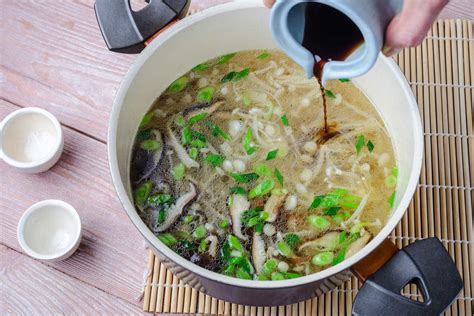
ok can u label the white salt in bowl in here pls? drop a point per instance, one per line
(31, 140)
(50, 230)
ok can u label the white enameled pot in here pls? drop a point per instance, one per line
(221, 30)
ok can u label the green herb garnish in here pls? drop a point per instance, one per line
(238, 190)
(186, 135)
(142, 192)
(391, 199)
(146, 120)
(228, 77)
(272, 154)
(249, 149)
(168, 239)
(161, 199)
(262, 170)
(198, 143)
(178, 85)
(201, 67)
(150, 145)
(225, 58)
(262, 189)
(331, 211)
(329, 94)
(205, 94)
(284, 120)
(197, 118)
(214, 159)
(263, 55)
(279, 176)
(370, 146)
(216, 131)
(242, 74)
(292, 240)
(178, 171)
(193, 153)
(179, 120)
(360, 143)
(244, 178)
(344, 80)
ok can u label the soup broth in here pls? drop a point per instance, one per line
(233, 170)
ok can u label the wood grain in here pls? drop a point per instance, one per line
(111, 256)
(29, 287)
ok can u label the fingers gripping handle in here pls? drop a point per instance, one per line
(425, 263)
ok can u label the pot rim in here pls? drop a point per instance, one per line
(202, 272)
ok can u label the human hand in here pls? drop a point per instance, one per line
(409, 27)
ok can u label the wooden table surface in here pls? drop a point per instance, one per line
(53, 57)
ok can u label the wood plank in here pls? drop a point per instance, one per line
(111, 256)
(30, 287)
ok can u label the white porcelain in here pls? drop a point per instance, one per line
(229, 28)
(50, 230)
(21, 134)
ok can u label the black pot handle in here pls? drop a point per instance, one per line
(425, 263)
(126, 31)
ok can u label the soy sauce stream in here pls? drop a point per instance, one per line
(328, 35)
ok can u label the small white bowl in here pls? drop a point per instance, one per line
(31, 140)
(50, 230)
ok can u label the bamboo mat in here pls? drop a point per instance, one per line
(441, 75)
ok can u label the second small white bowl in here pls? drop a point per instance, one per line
(50, 230)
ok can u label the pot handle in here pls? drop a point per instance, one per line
(127, 31)
(425, 263)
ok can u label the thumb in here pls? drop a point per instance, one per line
(410, 26)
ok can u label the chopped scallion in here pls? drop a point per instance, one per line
(272, 154)
(186, 135)
(244, 177)
(329, 94)
(178, 85)
(150, 145)
(197, 118)
(263, 55)
(323, 259)
(279, 176)
(284, 249)
(391, 199)
(178, 171)
(225, 58)
(168, 239)
(142, 192)
(238, 190)
(284, 120)
(214, 159)
(277, 276)
(179, 120)
(262, 189)
(344, 80)
(360, 143)
(370, 146)
(199, 232)
(318, 221)
(201, 67)
(249, 149)
(193, 153)
(146, 120)
(292, 240)
(205, 94)
(262, 170)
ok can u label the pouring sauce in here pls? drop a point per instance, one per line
(329, 35)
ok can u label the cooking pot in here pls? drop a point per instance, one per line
(242, 26)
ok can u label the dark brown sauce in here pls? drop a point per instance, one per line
(328, 35)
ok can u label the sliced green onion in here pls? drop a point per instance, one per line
(150, 145)
(246, 99)
(160, 199)
(168, 239)
(272, 154)
(279, 176)
(292, 240)
(244, 178)
(391, 199)
(370, 146)
(249, 149)
(205, 94)
(262, 170)
(225, 58)
(269, 266)
(332, 210)
(161, 216)
(340, 256)
(201, 67)
(223, 224)
(338, 218)
(178, 85)
(262, 189)
(360, 143)
(344, 80)
(292, 275)
(188, 219)
(198, 135)
(318, 221)
(193, 153)
(198, 143)
(178, 171)
(277, 276)
(263, 55)
(357, 227)
(317, 201)
(342, 236)
(238, 190)
(284, 249)
(216, 131)
(391, 181)
(282, 152)
(395, 171)
(241, 274)
(284, 120)
(323, 259)
(179, 120)
(279, 191)
(197, 118)
(228, 77)
(199, 232)
(146, 120)
(234, 243)
(329, 94)
(202, 246)
(242, 74)
(214, 159)
(186, 135)
(142, 192)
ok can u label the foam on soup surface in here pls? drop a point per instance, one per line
(232, 168)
